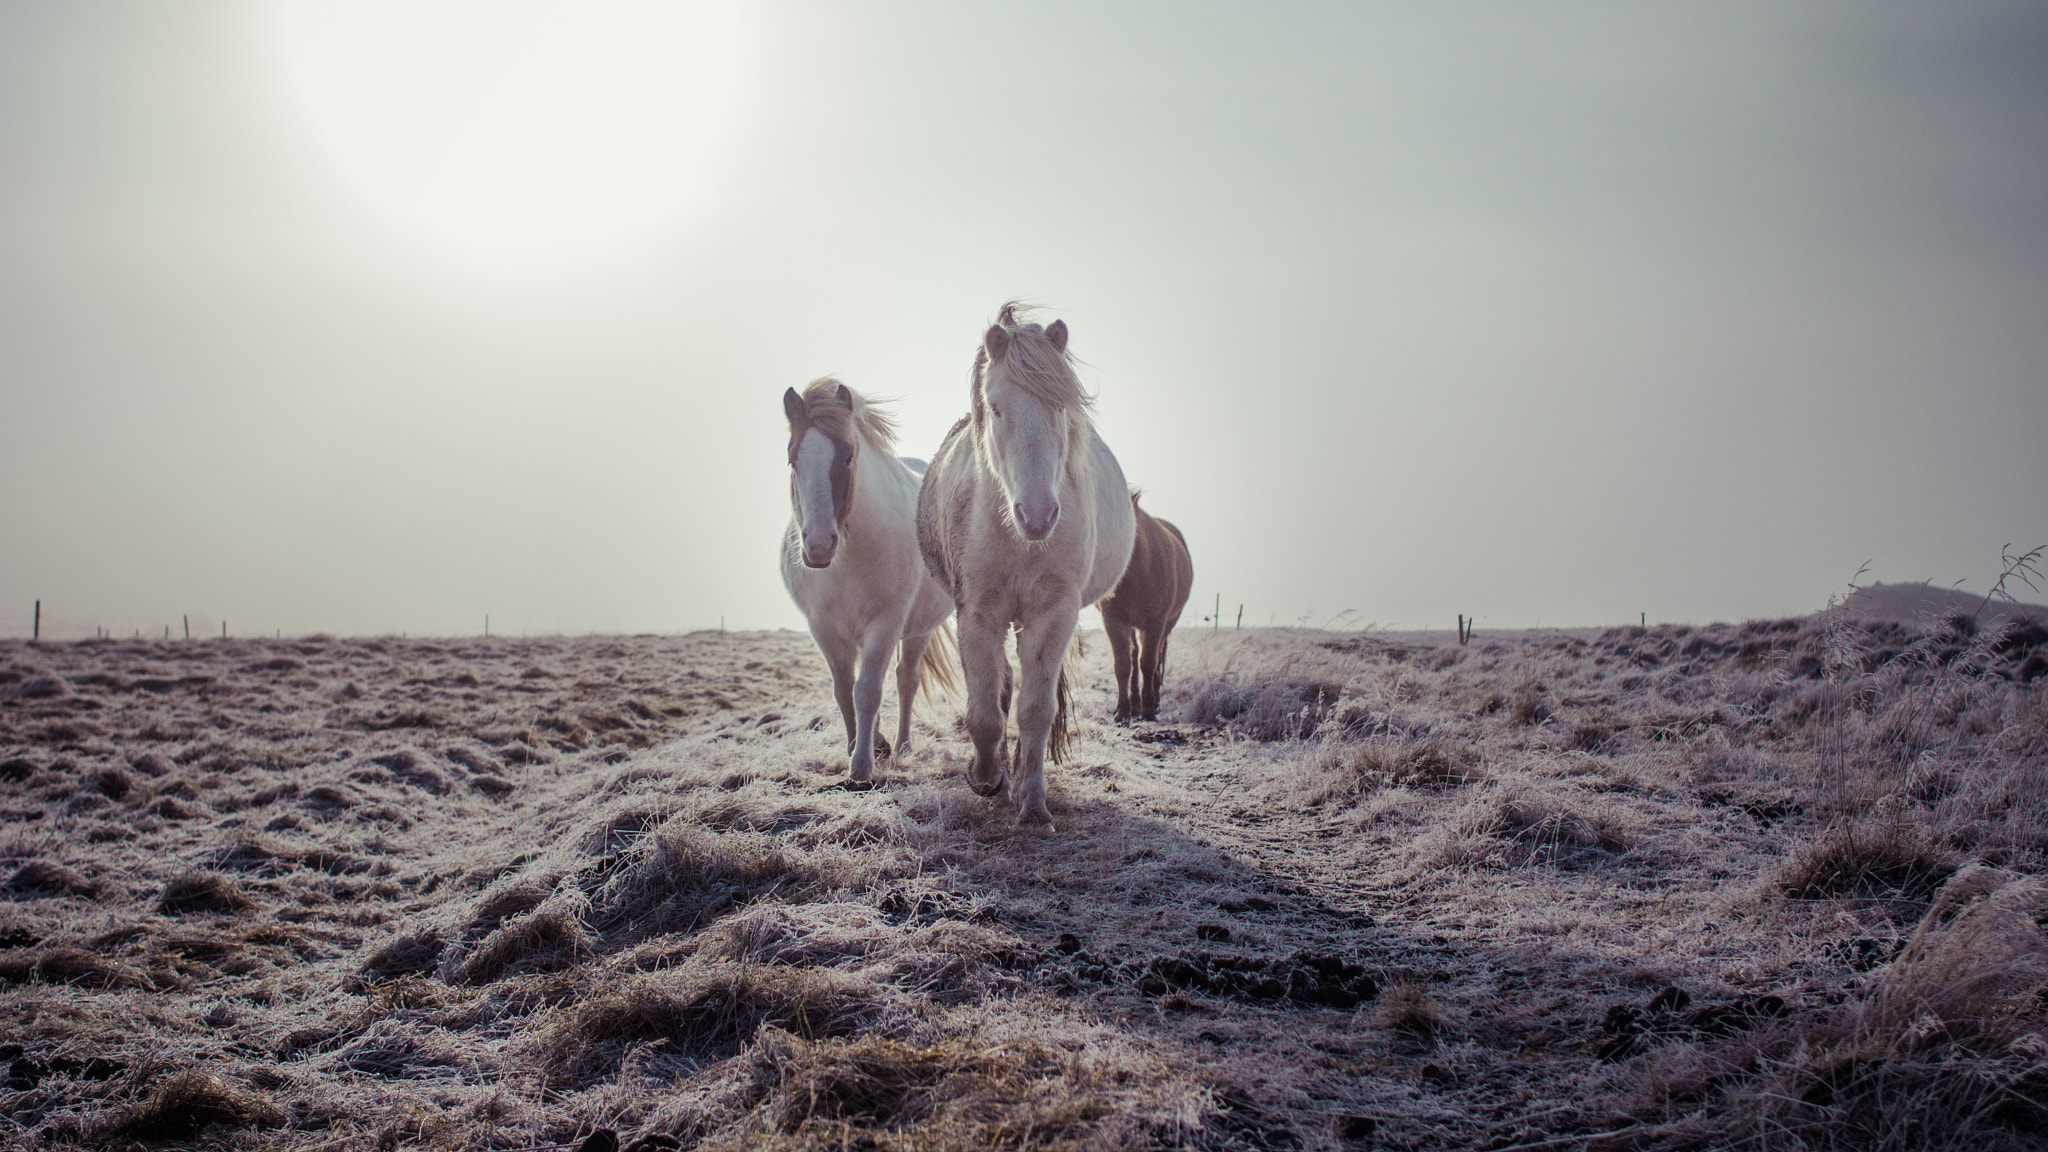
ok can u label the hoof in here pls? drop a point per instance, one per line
(857, 786)
(1028, 821)
(882, 749)
(993, 788)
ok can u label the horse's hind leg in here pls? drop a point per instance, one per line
(1152, 669)
(841, 664)
(1123, 643)
(987, 672)
(909, 669)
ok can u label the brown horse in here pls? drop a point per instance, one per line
(1143, 609)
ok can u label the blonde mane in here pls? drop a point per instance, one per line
(1045, 371)
(1041, 368)
(835, 419)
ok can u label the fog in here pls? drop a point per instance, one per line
(1549, 318)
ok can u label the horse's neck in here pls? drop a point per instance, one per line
(885, 498)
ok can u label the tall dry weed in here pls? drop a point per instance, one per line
(1946, 1050)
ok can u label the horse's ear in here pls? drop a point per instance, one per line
(1057, 333)
(846, 396)
(793, 406)
(997, 341)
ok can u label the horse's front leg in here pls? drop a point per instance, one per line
(909, 671)
(983, 665)
(867, 700)
(840, 659)
(1041, 645)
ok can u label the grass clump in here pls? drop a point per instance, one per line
(547, 939)
(203, 892)
(184, 1104)
(797, 1095)
(704, 1009)
(1873, 857)
(1517, 827)
(1947, 1049)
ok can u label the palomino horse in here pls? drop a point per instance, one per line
(850, 560)
(1024, 517)
(1143, 609)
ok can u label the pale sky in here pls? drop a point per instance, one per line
(1549, 314)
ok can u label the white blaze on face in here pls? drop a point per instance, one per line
(1029, 445)
(812, 495)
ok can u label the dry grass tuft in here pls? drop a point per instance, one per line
(547, 939)
(704, 1009)
(47, 878)
(1433, 764)
(1265, 695)
(1518, 826)
(68, 964)
(186, 1103)
(1866, 858)
(1410, 1010)
(207, 892)
(1946, 1051)
(675, 878)
(1263, 708)
(799, 1095)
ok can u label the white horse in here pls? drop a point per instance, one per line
(850, 561)
(1024, 518)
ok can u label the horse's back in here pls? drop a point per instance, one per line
(1182, 563)
(1116, 524)
(1160, 577)
(941, 508)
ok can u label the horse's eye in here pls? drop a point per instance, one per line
(994, 411)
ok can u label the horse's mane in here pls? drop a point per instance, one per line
(1046, 371)
(1035, 363)
(835, 419)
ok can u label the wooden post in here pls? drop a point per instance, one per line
(188, 625)
(38, 633)
(223, 629)
(1646, 619)
(1217, 615)
(1240, 617)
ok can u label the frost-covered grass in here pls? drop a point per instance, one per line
(1768, 885)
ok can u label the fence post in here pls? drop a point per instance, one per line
(188, 625)
(38, 633)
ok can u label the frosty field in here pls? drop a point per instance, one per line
(1769, 885)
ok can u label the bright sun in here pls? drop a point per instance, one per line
(519, 132)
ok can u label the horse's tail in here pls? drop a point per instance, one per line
(1070, 669)
(938, 670)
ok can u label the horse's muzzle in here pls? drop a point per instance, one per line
(1036, 527)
